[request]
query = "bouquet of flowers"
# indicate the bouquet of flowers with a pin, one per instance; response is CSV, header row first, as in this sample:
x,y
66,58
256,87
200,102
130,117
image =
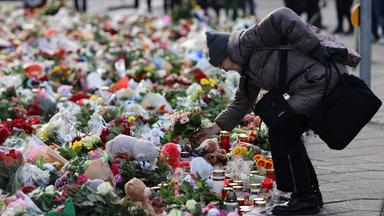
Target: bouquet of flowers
x,y
185,124
9,163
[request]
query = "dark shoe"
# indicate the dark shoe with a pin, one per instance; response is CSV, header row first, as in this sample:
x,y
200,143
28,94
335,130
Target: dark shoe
x,y
300,204
319,198
350,31
338,31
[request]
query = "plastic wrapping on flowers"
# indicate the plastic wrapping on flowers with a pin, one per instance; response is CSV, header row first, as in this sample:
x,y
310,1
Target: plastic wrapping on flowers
x,y
91,103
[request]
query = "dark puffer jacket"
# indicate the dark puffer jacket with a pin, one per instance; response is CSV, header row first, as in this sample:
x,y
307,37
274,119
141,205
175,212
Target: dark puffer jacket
x,y
305,80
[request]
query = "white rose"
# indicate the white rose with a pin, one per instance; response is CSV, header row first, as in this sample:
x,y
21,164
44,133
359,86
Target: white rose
x,y
104,188
191,205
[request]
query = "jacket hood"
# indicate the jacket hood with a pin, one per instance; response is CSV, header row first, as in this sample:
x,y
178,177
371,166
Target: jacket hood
x,y
234,48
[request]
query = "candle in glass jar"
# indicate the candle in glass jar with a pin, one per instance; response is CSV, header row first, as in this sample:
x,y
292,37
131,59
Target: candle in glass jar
x,y
224,140
225,192
242,138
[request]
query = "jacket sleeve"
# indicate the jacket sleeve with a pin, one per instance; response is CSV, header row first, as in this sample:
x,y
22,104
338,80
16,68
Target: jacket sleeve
x,y
229,118
279,24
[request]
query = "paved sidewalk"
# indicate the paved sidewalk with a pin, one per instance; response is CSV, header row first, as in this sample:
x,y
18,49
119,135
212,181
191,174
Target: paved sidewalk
x,y
351,180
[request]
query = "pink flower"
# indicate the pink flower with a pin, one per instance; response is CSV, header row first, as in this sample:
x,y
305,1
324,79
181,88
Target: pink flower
x,y
81,179
184,119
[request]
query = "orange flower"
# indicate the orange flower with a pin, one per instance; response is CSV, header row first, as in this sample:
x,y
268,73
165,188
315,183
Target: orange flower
x,y
261,163
268,164
258,157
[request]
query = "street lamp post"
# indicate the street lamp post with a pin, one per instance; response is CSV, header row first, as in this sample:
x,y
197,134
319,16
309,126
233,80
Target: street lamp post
x,y
365,38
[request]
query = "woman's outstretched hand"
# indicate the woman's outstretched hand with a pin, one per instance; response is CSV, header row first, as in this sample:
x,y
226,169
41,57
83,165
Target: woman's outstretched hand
x,y
205,133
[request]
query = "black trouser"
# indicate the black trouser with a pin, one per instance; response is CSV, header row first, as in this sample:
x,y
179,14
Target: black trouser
x,y
81,8
311,7
293,167
149,5
344,10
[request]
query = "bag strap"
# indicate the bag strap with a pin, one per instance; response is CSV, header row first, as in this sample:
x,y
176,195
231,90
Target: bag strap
x,y
283,66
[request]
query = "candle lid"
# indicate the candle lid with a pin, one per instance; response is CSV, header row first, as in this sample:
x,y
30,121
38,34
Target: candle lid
x,y
233,184
228,189
219,173
245,208
260,204
243,136
258,199
238,188
224,133
238,182
255,186
254,172
184,154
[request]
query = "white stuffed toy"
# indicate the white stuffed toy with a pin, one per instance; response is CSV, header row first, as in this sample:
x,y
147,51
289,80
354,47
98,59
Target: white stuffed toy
x,y
132,148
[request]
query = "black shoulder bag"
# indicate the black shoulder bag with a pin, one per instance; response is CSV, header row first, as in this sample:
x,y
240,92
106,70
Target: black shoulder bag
x,y
273,108
344,111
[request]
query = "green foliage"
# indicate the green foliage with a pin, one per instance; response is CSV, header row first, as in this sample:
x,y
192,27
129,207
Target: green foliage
x,y
151,177
172,95
83,117
7,110
76,167
200,192
88,202
129,209
43,198
113,113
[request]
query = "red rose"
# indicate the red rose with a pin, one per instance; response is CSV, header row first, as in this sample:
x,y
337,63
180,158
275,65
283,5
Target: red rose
x,y
104,134
200,75
115,168
5,132
35,120
35,110
28,188
78,96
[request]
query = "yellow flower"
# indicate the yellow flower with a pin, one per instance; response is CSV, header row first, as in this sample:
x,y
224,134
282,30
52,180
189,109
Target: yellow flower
x,y
96,99
204,81
212,83
131,118
76,145
240,150
199,91
150,68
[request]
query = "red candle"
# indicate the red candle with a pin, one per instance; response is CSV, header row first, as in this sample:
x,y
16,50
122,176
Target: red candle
x,y
224,140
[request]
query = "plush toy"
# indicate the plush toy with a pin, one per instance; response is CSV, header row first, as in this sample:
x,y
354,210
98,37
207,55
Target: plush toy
x,y
201,167
139,194
132,148
171,152
98,169
209,149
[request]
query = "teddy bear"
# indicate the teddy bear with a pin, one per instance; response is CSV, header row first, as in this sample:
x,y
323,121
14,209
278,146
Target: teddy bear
x,y
132,148
211,152
139,194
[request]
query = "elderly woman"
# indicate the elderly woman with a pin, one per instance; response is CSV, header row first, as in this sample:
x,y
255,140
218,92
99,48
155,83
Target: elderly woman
x,y
305,82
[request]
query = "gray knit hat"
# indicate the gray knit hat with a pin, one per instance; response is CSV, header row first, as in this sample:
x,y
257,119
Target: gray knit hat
x,y
217,43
